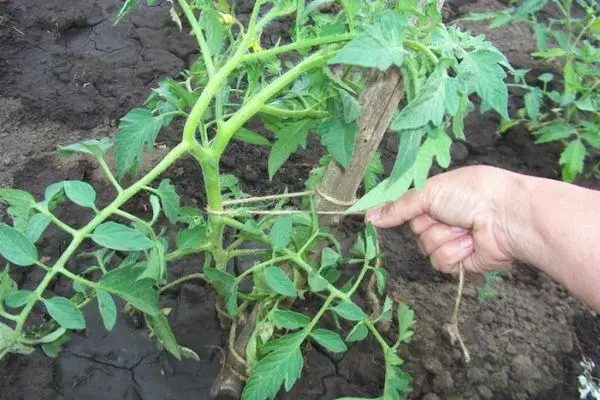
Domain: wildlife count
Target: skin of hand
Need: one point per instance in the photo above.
(488, 217)
(461, 215)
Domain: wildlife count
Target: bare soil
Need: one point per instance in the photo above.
(67, 74)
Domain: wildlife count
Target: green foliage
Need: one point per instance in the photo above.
(80, 193)
(120, 237)
(16, 248)
(282, 365)
(279, 282)
(489, 288)
(137, 130)
(108, 309)
(380, 45)
(564, 110)
(226, 285)
(64, 312)
(169, 200)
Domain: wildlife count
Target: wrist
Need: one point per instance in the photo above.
(522, 238)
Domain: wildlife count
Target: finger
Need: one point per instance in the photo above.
(398, 211)
(438, 235)
(473, 264)
(447, 257)
(422, 223)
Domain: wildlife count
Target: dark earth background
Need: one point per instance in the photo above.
(66, 73)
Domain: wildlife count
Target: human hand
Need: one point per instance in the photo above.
(469, 215)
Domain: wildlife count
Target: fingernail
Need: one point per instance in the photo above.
(374, 215)
(456, 229)
(466, 243)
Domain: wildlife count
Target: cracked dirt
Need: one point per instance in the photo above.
(67, 73)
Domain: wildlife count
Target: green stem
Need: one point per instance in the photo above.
(8, 316)
(361, 276)
(215, 83)
(208, 62)
(285, 113)
(180, 253)
(181, 280)
(246, 252)
(384, 345)
(77, 278)
(56, 221)
(83, 233)
(308, 269)
(303, 44)
(411, 44)
(583, 31)
(320, 313)
(109, 174)
(250, 270)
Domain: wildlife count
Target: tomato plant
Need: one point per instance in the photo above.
(566, 109)
(316, 90)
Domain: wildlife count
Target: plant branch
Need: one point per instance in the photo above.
(414, 45)
(250, 270)
(56, 221)
(186, 278)
(109, 174)
(208, 62)
(82, 234)
(284, 113)
(302, 44)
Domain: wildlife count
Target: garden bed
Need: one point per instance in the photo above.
(67, 74)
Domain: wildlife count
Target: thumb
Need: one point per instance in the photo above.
(397, 212)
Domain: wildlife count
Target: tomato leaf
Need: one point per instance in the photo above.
(250, 137)
(120, 237)
(349, 311)
(138, 129)
(288, 137)
(358, 333)
(226, 285)
(96, 147)
(397, 382)
(555, 130)
(36, 226)
(533, 103)
(108, 309)
(279, 282)
(431, 103)
(65, 313)
(123, 282)
(329, 339)
(20, 204)
(338, 137)
(16, 248)
(281, 232)
(481, 70)
(18, 298)
(281, 366)
(408, 149)
(406, 320)
(191, 237)
(286, 319)
(379, 46)
(572, 159)
(164, 334)
(169, 199)
(80, 193)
